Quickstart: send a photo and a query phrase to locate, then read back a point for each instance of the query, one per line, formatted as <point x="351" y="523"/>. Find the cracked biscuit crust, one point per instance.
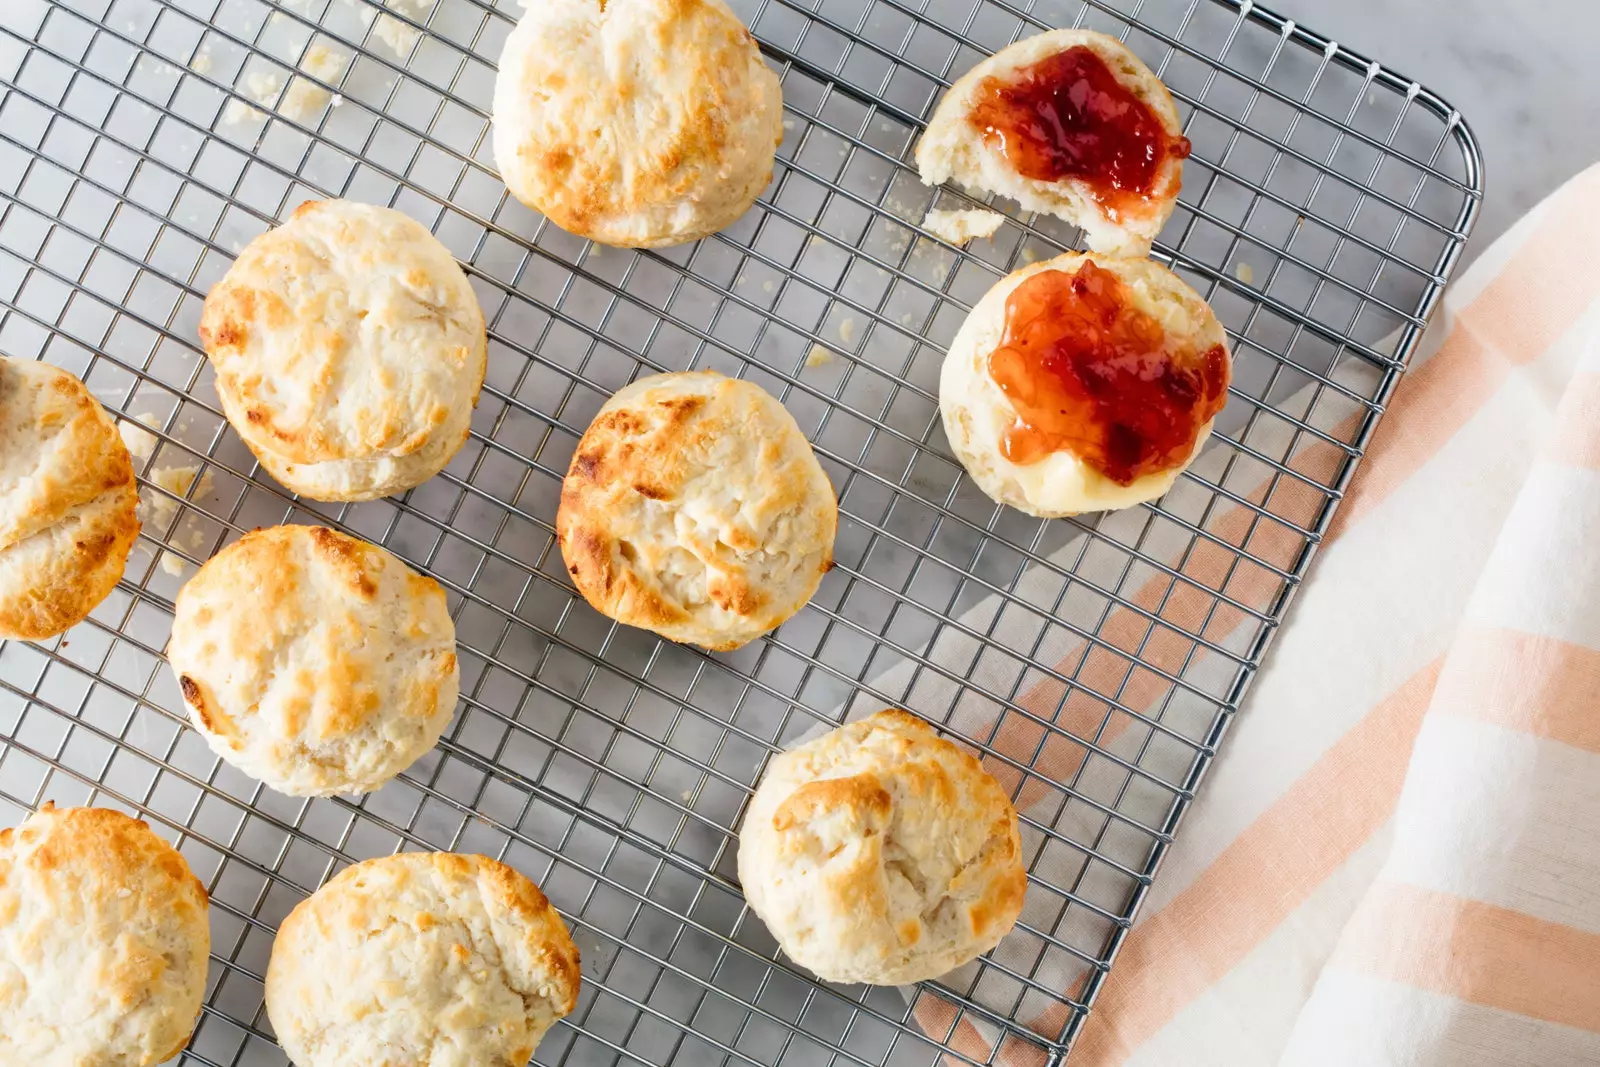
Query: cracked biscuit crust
<point x="103" y="942"/>
<point x="882" y="853"/>
<point x="68" y="501"/>
<point x="313" y="661"/>
<point x="694" y="507"/>
<point x="349" y="350"/>
<point x="639" y="123"/>
<point x="431" y="959"/>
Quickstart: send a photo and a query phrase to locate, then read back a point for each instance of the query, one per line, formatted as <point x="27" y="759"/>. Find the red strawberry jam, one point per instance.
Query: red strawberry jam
<point x="1088" y="373"/>
<point x="1067" y="116"/>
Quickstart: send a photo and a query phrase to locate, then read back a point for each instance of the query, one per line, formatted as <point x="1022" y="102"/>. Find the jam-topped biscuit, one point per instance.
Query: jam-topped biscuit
<point x="1087" y="370"/>
<point x="1069" y="123"/>
<point x="1084" y="383"/>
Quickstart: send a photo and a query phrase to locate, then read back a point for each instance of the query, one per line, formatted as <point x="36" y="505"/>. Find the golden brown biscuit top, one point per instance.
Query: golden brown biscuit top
<point x="59" y="449"/>
<point x="312" y="657"/>
<point x="619" y="108"/>
<point x="431" y="957"/>
<point x="103" y="941"/>
<point x="349" y="332"/>
<point x="695" y="507"/>
<point x="881" y="852"/>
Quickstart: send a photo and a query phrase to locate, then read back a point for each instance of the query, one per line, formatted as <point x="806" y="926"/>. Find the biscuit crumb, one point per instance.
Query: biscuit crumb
<point x="959" y="227"/>
<point x="767" y="286"/>
<point x="818" y="356"/>
<point x="1029" y="255"/>
<point x="175" y="480"/>
<point x="148" y="63"/>
<point x="847" y="330"/>
<point x="201" y="64"/>
<point x="302" y="100"/>
<point x="304" y="97"/>
<point x="323" y="63"/>
<point x="141" y="442"/>
<point x="238" y="111"/>
<point x="263" y="86"/>
<point x="1244" y="272"/>
<point x="398" y="35"/>
<point x="173" y="563"/>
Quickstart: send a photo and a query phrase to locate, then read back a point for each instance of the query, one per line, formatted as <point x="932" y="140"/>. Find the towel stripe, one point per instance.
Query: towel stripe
<point x="1575" y="442"/>
<point x="1509" y="324"/>
<point x="1205" y="931"/>
<point x="1475" y="952"/>
<point x="1528" y="682"/>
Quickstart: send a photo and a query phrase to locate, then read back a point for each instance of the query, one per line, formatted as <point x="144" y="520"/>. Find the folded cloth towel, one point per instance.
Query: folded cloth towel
<point x="1396" y="858"/>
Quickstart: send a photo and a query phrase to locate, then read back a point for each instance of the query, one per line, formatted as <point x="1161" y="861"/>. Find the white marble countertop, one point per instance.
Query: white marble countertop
<point x="1522" y="72"/>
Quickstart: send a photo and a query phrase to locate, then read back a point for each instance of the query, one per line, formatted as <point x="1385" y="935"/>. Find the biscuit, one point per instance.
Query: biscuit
<point x="977" y="413"/>
<point x="638" y="123"/>
<point x="349" y="350"/>
<point x="68" y="501"/>
<point x="103" y="942"/>
<point x="882" y="853"/>
<point x="314" y="662"/>
<point x="956" y="146"/>
<point x="695" y="507"/>
<point x="427" y="958"/>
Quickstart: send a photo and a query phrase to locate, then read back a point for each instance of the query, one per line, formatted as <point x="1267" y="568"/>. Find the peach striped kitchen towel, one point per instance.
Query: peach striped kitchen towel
<point x="1396" y="859"/>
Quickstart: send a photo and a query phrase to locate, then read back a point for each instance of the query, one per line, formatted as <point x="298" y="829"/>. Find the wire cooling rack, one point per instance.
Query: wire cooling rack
<point x="1095" y="661"/>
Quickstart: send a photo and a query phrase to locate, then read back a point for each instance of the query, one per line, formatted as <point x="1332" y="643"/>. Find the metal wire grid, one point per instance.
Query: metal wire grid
<point x="1095" y="661"/>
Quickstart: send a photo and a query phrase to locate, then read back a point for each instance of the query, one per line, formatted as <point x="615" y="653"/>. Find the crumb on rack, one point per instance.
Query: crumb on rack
<point x="154" y="64"/>
<point x="160" y="508"/>
<point x="397" y="34"/>
<point x="201" y="64"/>
<point x="847" y="330"/>
<point x="1244" y="272"/>
<point x="141" y="442"/>
<point x="305" y="98"/>
<point x="959" y="227"/>
<point x="818" y="356"/>
<point x="263" y="86"/>
<point x="363" y="10"/>
<point x="193" y="543"/>
<point x="238" y="111"/>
